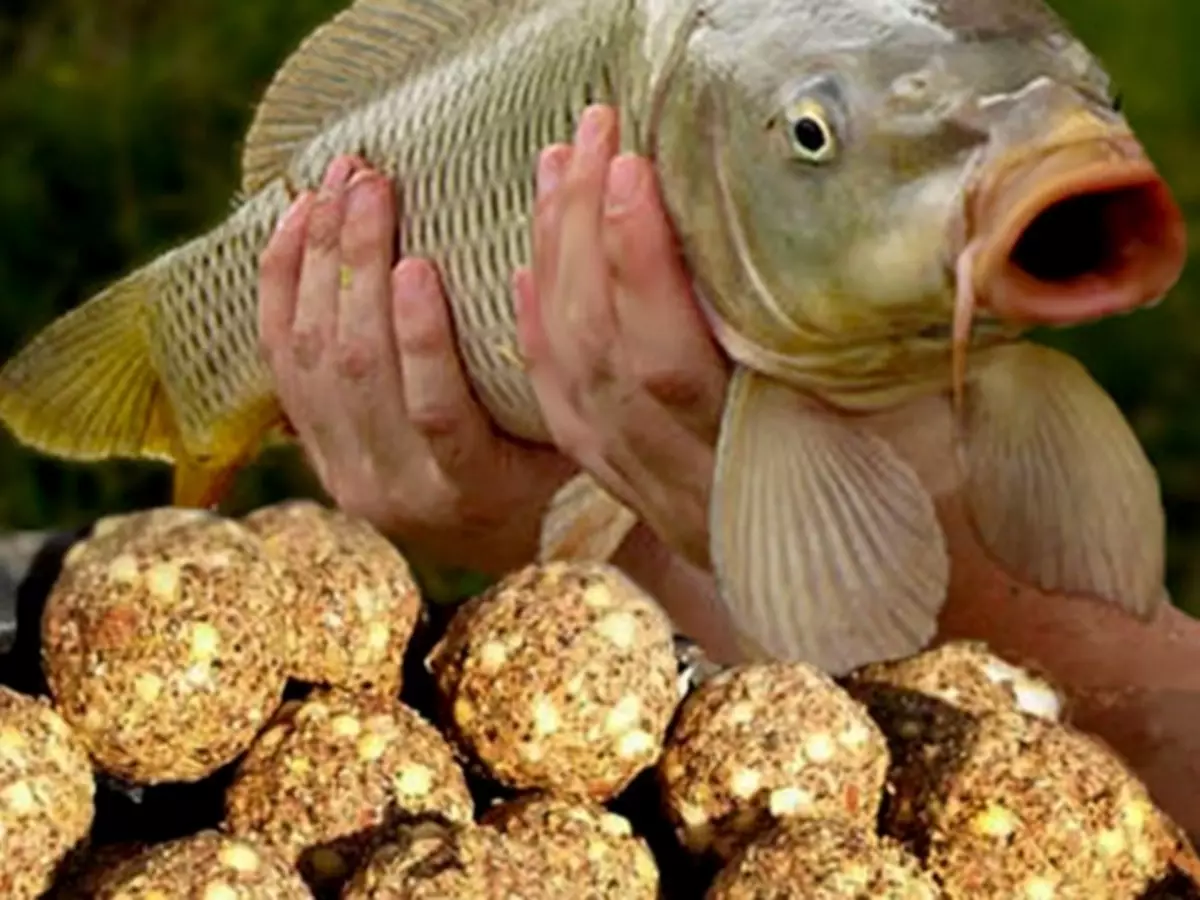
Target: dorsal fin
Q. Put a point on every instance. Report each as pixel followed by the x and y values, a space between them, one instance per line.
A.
pixel 342 63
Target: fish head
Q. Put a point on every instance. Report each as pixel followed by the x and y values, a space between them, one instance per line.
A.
pixel 837 188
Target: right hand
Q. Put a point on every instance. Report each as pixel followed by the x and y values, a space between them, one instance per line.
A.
pixel 629 377
pixel 367 371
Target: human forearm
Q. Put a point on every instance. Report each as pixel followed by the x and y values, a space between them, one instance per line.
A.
pixel 687 594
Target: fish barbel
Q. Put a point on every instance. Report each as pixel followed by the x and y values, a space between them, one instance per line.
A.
pixel 862 190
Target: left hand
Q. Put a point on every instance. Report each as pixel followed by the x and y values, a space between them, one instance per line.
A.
pixel 630 381
pixel 367 371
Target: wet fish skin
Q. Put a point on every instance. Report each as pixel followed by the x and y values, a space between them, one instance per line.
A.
pixel 829 281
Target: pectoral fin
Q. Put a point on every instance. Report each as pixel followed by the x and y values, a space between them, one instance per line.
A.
pixel 1059 489
pixel 826 546
pixel 584 522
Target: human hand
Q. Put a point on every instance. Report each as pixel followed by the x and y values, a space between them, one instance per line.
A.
pixel 367 371
pixel 630 381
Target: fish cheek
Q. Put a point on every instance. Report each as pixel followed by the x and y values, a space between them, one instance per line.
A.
pixel 693 184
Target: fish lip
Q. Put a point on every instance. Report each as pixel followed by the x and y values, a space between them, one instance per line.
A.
pixel 1007 291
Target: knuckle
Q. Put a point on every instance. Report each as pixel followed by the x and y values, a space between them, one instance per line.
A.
pixel 325 227
pixel 307 346
pixel 354 359
pixel 588 327
pixel 366 235
pixel 588 377
pixel 420 338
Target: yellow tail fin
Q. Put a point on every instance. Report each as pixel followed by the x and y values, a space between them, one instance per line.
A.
pixel 85 387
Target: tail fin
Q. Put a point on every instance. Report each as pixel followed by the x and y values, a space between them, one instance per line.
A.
pixel 85 387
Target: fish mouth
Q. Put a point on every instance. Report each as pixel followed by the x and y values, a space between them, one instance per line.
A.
pixel 1075 233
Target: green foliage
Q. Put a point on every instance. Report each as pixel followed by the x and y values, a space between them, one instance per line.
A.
pixel 122 127
pixel 122 123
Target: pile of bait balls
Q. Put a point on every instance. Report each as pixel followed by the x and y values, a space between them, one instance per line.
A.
pixel 266 708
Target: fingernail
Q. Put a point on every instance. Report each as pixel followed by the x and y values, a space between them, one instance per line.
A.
pixel 624 179
pixel 359 189
pixel 591 128
pixel 359 177
pixel 336 175
pixel 293 211
pixel 411 283
pixel 549 173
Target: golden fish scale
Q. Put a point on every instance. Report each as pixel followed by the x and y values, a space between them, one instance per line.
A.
pixel 461 141
pixel 205 324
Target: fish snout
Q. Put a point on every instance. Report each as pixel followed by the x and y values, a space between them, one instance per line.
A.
pixel 1078 228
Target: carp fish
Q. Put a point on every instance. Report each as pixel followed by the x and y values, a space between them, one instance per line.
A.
pixel 863 191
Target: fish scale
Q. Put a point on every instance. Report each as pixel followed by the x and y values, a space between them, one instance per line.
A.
pixel 463 147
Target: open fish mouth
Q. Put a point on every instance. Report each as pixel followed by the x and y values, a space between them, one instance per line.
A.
pixel 1082 231
pixel 1066 234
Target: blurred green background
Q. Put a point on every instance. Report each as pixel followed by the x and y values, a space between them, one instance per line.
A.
pixel 120 129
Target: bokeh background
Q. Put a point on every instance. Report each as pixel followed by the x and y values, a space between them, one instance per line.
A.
pixel 120 131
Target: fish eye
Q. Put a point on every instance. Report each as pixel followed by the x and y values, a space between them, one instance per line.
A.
pixel 810 132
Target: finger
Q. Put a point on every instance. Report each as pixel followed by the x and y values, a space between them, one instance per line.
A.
pixel 577 310
pixel 571 433
pixel 552 165
pixel 670 472
pixel 563 420
pixel 365 345
pixel 666 341
pixel 320 275
pixel 531 331
pixel 437 399
pixel 278 274
pixel 568 429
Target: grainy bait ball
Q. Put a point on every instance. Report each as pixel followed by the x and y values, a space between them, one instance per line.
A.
pixel 47 794
pixel 929 706
pixel 205 866
pixel 432 862
pixel 1031 810
pixel 759 743
pixel 97 867
pixel 965 675
pixel 822 859
pixel 353 596
pixel 165 651
pixel 560 678
pixel 110 533
pixel 595 851
pixel 334 771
